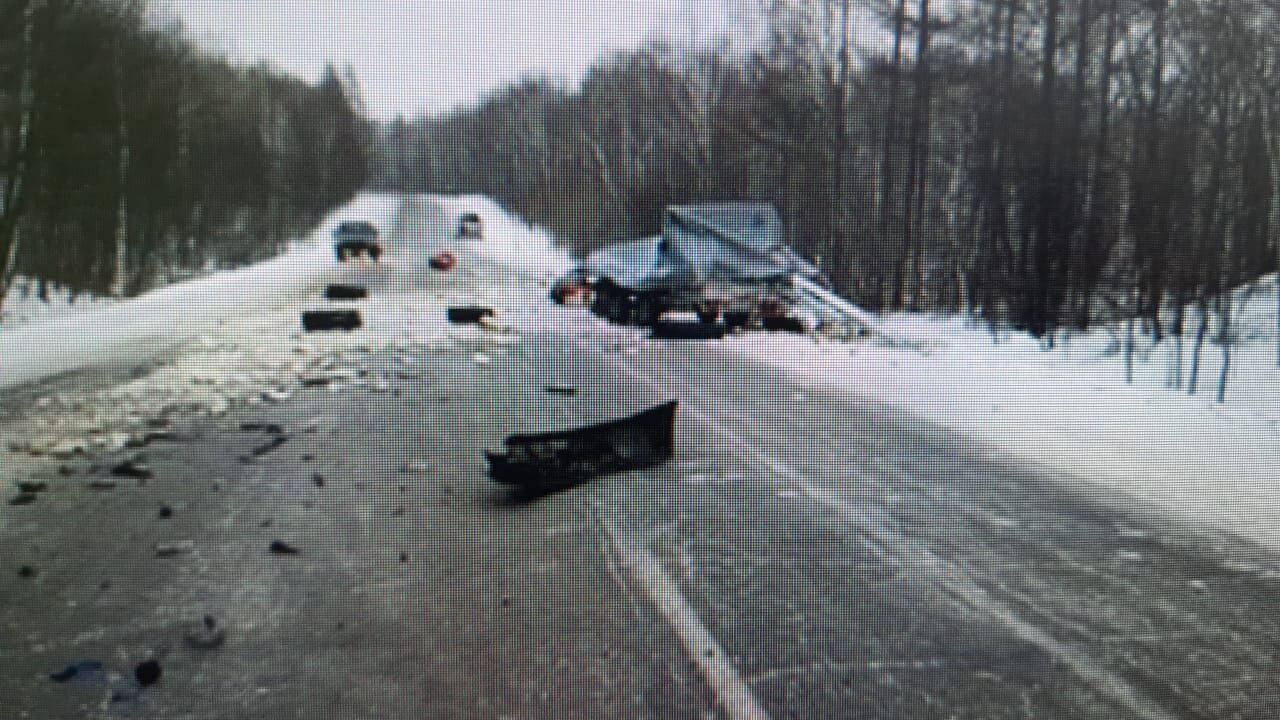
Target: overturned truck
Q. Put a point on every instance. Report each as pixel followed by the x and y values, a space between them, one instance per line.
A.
pixel 726 262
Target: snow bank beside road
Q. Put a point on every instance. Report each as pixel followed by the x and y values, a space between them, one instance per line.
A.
pixel 1069 413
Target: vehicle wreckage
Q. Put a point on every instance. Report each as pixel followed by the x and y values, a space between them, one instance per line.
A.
pixel 539 463
pixel 726 262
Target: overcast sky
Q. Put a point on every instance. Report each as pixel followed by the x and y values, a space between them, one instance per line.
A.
pixel 423 56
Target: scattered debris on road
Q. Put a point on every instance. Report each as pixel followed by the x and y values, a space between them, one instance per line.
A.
pixel 468 315
pixel 32 486
pixel 173 549
pixel 265 448
pixel 148 673
pixel 345 292
pixel 279 547
pixel 322 320
pixel 84 670
pixel 26 571
pixel 548 461
pixel 561 390
pixel 443 261
pixel 23 499
pixel 207 637
pixel 133 468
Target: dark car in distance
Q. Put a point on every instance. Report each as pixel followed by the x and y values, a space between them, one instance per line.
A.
pixel 354 238
pixel 469 226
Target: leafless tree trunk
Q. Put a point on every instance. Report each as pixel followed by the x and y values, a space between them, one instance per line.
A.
pixel 120 278
pixel 15 184
pixel 1226 301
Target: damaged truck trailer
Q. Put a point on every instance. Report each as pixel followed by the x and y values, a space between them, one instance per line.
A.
pixel 727 262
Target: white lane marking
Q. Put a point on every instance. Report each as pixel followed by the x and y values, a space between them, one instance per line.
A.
pixel 731 691
pixel 1105 681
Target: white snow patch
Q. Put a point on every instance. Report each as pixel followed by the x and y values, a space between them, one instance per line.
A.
pixel 1070 412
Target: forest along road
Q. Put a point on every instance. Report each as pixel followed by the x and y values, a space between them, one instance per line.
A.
pixel 803 555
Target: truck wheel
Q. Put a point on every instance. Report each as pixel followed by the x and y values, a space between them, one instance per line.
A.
pixel 737 320
pixel 607 301
pixel 644 310
pixel 341 253
pixel 374 253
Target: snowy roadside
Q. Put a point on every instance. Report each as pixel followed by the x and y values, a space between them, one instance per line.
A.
pixel 1071 414
pixel 133 330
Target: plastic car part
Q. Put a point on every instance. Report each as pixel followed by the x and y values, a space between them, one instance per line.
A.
pixel 544 462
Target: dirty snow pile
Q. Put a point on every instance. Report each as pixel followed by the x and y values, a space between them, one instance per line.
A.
pixel 1070 412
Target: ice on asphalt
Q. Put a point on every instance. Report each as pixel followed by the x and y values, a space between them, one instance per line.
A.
pixel 1067 412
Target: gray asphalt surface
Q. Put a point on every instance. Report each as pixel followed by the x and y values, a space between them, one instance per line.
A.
pixel 850 561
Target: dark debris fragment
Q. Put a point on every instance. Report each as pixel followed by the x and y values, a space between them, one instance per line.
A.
pixel 208 637
pixel 148 673
pixel 133 468
pixel 279 547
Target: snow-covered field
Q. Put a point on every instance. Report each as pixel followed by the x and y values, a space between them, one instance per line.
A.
pixel 1067 411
